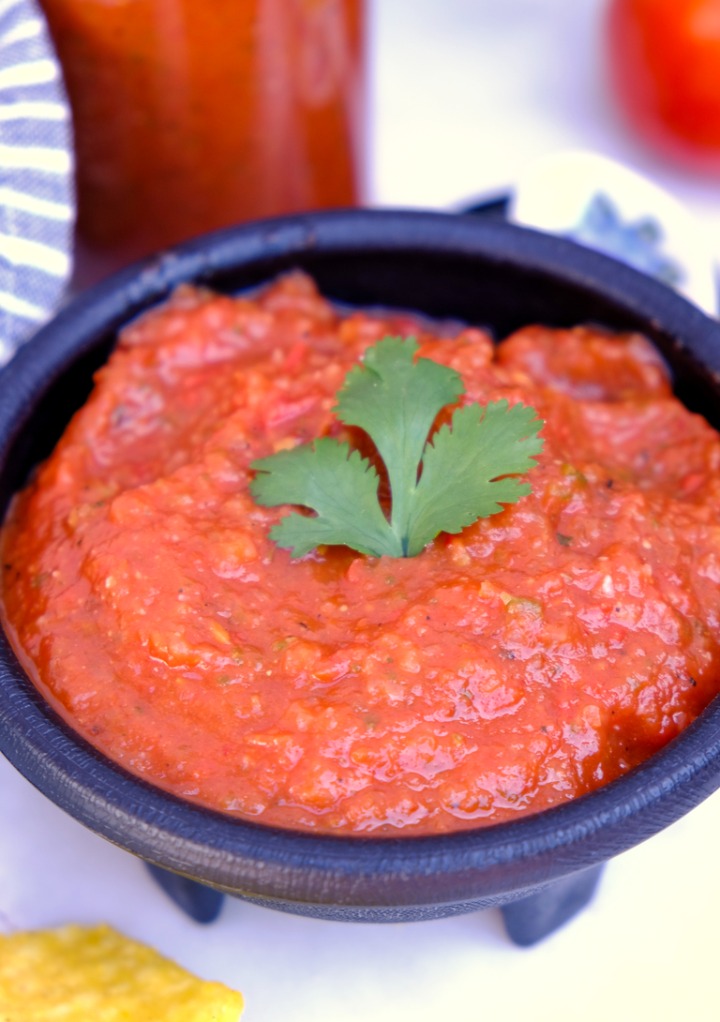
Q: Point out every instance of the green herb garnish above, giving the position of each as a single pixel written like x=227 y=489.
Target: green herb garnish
x=437 y=485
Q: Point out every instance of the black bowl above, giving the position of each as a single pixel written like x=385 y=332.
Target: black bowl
x=486 y=272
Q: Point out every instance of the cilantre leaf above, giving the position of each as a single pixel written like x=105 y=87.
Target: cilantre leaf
x=333 y=480
x=462 y=463
x=437 y=485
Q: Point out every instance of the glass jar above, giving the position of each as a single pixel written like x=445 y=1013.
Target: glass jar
x=194 y=114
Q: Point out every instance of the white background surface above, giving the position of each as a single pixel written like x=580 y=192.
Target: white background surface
x=468 y=93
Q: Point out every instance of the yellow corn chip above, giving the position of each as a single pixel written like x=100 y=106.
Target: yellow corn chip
x=95 y=974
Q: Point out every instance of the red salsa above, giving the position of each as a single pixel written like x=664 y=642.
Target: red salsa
x=536 y=656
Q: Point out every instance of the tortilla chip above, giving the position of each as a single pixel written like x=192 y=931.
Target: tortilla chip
x=79 y=974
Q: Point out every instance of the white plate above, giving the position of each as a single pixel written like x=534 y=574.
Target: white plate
x=607 y=206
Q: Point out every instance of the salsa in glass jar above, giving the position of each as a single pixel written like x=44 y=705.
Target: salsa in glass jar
x=191 y=116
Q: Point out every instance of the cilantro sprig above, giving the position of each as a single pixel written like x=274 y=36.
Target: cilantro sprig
x=438 y=484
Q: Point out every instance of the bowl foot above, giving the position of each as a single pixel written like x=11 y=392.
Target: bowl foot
x=201 y=903
x=531 y=919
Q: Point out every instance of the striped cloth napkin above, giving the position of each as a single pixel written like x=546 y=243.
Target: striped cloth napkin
x=36 y=176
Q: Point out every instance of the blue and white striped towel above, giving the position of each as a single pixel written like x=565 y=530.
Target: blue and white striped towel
x=36 y=176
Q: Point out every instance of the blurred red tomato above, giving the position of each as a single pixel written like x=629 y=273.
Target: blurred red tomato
x=664 y=58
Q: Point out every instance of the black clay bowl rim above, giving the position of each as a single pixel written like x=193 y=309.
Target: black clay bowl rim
x=242 y=857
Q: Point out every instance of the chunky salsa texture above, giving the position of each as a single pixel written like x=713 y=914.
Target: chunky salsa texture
x=538 y=655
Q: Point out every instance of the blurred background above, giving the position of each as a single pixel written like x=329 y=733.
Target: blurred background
x=469 y=93
x=464 y=98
